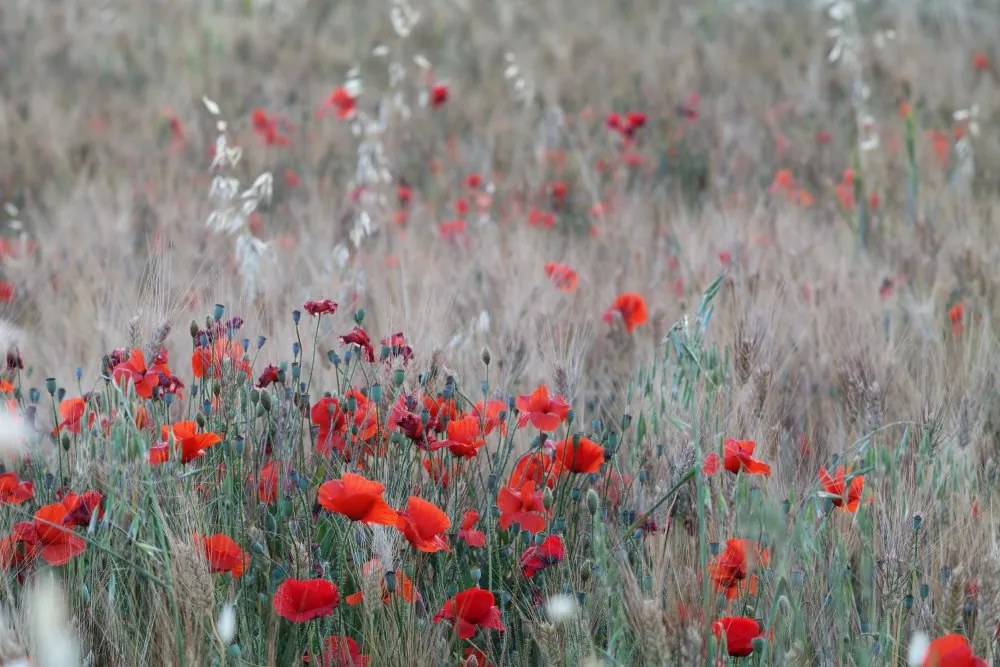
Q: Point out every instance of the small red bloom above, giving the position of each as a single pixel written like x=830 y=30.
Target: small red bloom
x=339 y=651
x=134 y=371
x=473 y=181
x=710 y=465
x=71 y=410
x=490 y=414
x=359 y=337
x=577 y=454
x=58 y=544
x=471 y=609
x=631 y=307
x=301 y=600
x=845 y=497
x=13 y=490
x=223 y=554
x=214 y=358
x=538 y=467
x=324 y=307
x=541 y=556
x=189 y=442
x=472 y=537
x=81 y=507
x=267 y=483
x=522 y=506
x=438 y=95
x=740 y=632
x=342 y=101
x=423 y=524
x=358 y=499
x=465 y=437
x=738 y=456
x=563 y=277
x=730 y=572
x=956 y=314
x=268 y=377
x=980 y=61
x=544 y=412
x=952 y=651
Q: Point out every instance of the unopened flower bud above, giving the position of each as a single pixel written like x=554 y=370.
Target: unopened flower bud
x=547 y=498
x=194 y=329
x=486 y=356
x=593 y=502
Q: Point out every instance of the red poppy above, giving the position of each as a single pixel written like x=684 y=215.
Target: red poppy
x=473 y=657
x=710 y=464
x=270 y=128
x=300 y=600
x=737 y=456
x=951 y=651
x=441 y=473
x=464 y=437
x=980 y=61
x=404 y=587
x=339 y=651
x=268 y=377
x=730 y=572
x=466 y=533
x=57 y=544
x=212 y=359
x=541 y=219
x=324 y=307
x=71 y=410
x=471 y=609
x=452 y=229
x=223 y=554
x=541 y=556
x=438 y=94
x=189 y=442
x=13 y=490
x=956 y=314
x=134 y=371
x=740 y=632
x=579 y=455
x=267 y=483
x=845 y=497
x=341 y=100
x=522 y=506
x=81 y=507
x=631 y=308
x=490 y=414
x=423 y=524
x=396 y=344
x=473 y=181
x=439 y=409
x=563 y=277
x=544 y=412
x=536 y=466
x=558 y=190
x=359 y=337
x=358 y=499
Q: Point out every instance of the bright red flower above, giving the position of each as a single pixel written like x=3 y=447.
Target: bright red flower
x=541 y=556
x=710 y=464
x=81 y=507
x=490 y=413
x=522 y=506
x=951 y=651
x=466 y=533
x=730 y=572
x=536 y=466
x=324 y=307
x=342 y=101
x=465 y=437
x=544 y=412
x=630 y=307
x=300 y=600
x=13 y=490
x=473 y=657
x=471 y=609
x=740 y=632
x=438 y=94
x=423 y=524
x=57 y=543
x=71 y=410
x=359 y=337
x=980 y=61
x=737 y=456
x=579 y=455
x=956 y=314
x=358 y=499
x=270 y=128
x=189 y=442
x=339 y=651
x=213 y=359
x=845 y=497
x=473 y=181
x=223 y=554
x=541 y=219
x=268 y=377
x=563 y=277
x=134 y=371
x=267 y=483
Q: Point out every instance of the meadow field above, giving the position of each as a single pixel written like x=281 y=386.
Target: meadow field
x=454 y=332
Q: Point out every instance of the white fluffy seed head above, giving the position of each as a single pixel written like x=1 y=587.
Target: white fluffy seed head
x=226 y=625
x=920 y=643
x=561 y=608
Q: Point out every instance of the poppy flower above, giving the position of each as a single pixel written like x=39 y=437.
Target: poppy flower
x=577 y=454
x=491 y=414
x=267 y=483
x=340 y=651
x=631 y=308
x=397 y=347
x=213 y=359
x=740 y=632
x=466 y=533
x=473 y=181
x=980 y=61
x=844 y=497
x=223 y=554
x=358 y=499
x=439 y=409
x=438 y=95
x=189 y=442
x=57 y=544
x=13 y=490
x=956 y=314
x=404 y=585
x=423 y=524
x=473 y=657
x=71 y=410
x=341 y=100
x=81 y=507
x=324 y=307
x=440 y=472
x=301 y=600
x=268 y=377
x=541 y=219
x=15 y=554
x=540 y=556
x=731 y=570
x=522 y=506
x=464 y=437
x=543 y=411
x=737 y=455
x=359 y=337
x=536 y=466
x=452 y=229
x=563 y=277
x=471 y=609
x=134 y=371
x=951 y=651
x=269 y=128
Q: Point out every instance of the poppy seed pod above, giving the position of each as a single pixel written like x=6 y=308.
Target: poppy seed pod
x=547 y=498
x=390 y=582
x=593 y=502
x=218 y=312
x=194 y=329
x=265 y=400
x=359 y=316
x=486 y=356
x=50 y=386
x=398 y=376
x=296 y=316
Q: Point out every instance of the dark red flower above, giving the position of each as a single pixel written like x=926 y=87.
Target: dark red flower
x=81 y=507
x=57 y=544
x=301 y=600
x=438 y=95
x=268 y=377
x=324 y=307
x=541 y=556
x=341 y=100
x=465 y=437
x=339 y=651
x=359 y=337
x=469 y=610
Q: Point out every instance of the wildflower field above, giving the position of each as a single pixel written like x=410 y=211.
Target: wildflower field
x=445 y=332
